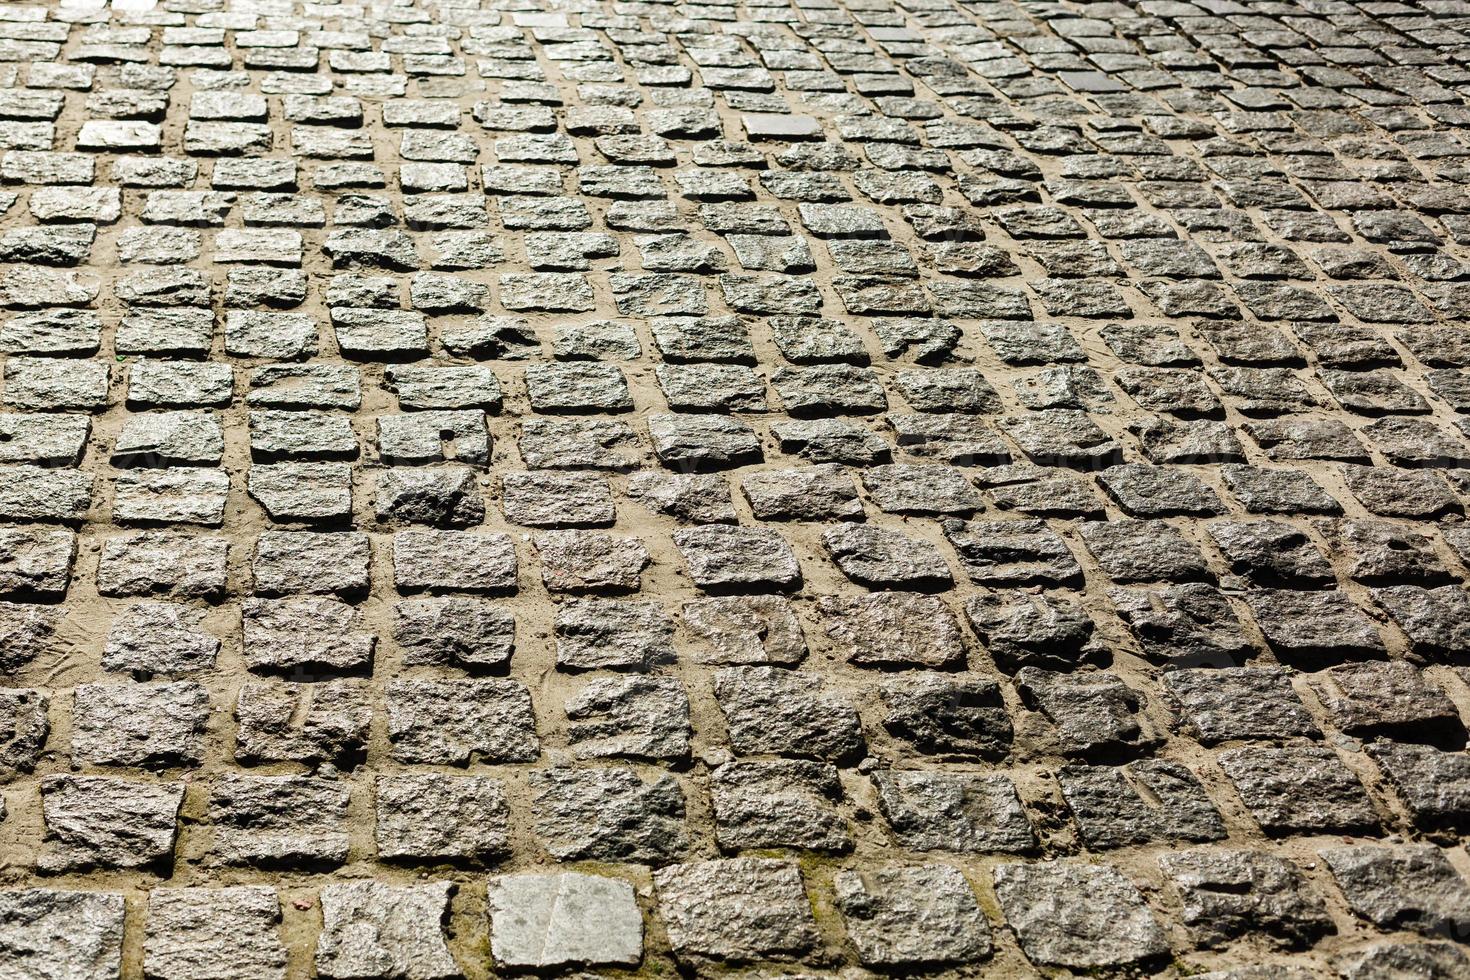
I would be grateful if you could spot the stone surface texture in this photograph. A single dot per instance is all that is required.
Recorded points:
(734, 488)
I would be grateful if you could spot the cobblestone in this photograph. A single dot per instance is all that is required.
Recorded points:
(817, 489)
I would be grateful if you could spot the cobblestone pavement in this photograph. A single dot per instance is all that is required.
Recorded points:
(812, 488)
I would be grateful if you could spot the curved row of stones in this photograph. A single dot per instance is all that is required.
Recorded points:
(802, 489)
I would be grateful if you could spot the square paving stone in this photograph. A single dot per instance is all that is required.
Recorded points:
(1012, 553)
(787, 712)
(1185, 625)
(209, 933)
(634, 717)
(24, 727)
(551, 499)
(441, 496)
(1246, 703)
(1043, 631)
(457, 561)
(1314, 626)
(1391, 699)
(880, 558)
(612, 634)
(288, 562)
(1404, 886)
(954, 811)
(472, 634)
(1384, 960)
(375, 931)
(106, 823)
(900, 629)
(1078, 916)
(720, 557)
(166, 563)
(1147, 800)
(544, 921)
(147, 725)
(912, 916)
(434, 818)
(1301, 789)
(736, 910)
(278, 821)
(1433, 784)
(1091, 712)
(454, 722)
(76, 935)
(742, 630)
(1227, 894)
(305, 723)
(609, 814)
(781, 804)
(284, 635)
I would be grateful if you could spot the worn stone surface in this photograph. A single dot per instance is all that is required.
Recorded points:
(591, 446)
(47, 932)
(196, 933)
(375, 930)
(1227, 894)
(1078, 916)
(549, 921)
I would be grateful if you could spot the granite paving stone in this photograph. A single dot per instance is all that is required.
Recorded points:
(750, 488)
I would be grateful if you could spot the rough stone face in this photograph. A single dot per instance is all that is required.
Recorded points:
(200, 933)
(894, 629)
(612, 634)
(1091, 713)
(282, 635)
(960, 812)
(472, 634)
(467, 561)
(1384, 960)
(745, 630)
(885, 559)
(547, 921)
(1404, 886)
(163, 563)
(155, 725)
(306, 562)
(787, 803)
(1433, 784)
(24, 726)
(1143, 801)
(307, 723)
(431, 817)
(1245, 703)
(786, 712)
(912, 916)
(1078, 916)
(1227, 894)
(279, 820)
(739, 558)
(939, 715)
(102, 822)
(1020, 630)
(609, 815)
(639, 717)
(736, 910)
(451, 722)
(1390, 699)
(382, 931)
(75, 935)
(1304, 789)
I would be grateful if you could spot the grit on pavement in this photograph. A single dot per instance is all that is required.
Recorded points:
(748, 488)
